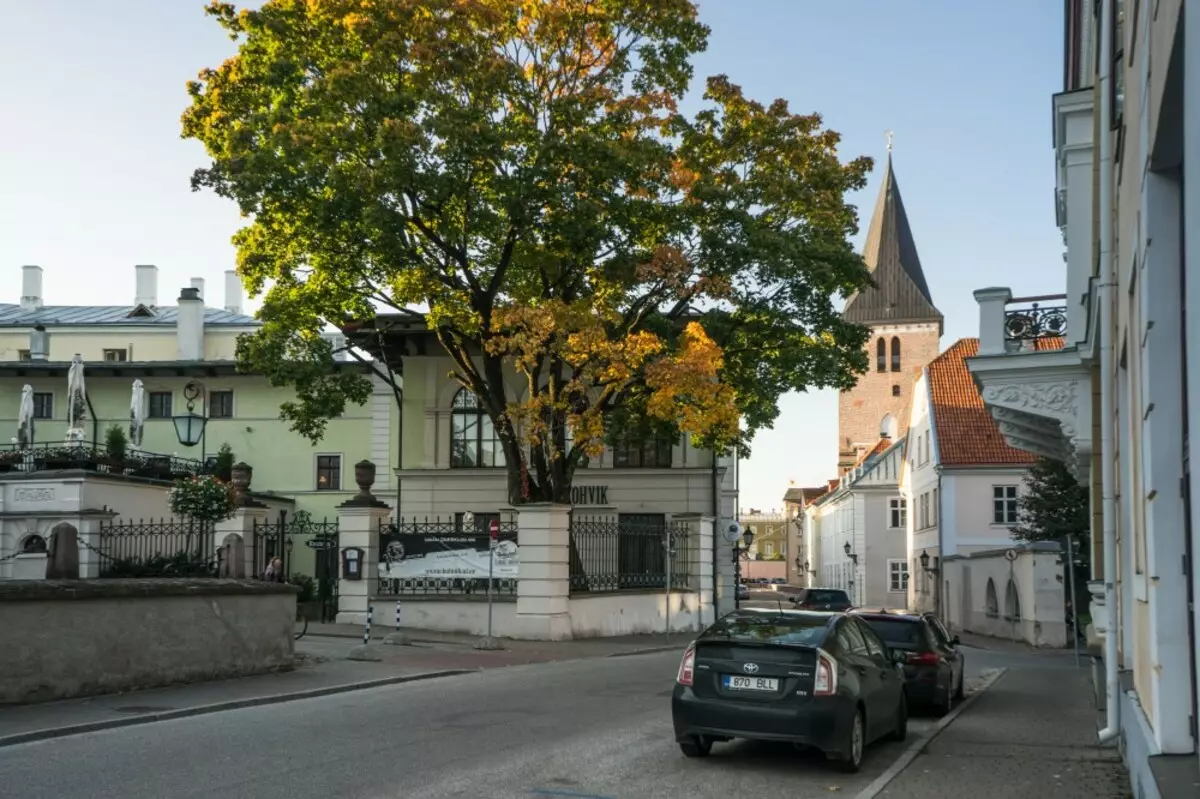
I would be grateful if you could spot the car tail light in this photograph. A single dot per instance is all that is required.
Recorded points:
(923, 658)
(825, 683)
(687, 667)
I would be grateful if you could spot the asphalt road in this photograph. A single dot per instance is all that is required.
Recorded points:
(592, 729)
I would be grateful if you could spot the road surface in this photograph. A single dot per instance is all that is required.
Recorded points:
(591, 729)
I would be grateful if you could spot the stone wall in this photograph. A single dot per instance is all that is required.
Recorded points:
(69, 638)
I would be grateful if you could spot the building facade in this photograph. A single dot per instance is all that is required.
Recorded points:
(1119, 401)
(795, 501)
(905, 330)
(856, 533)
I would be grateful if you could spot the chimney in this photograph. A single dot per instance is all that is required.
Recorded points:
(233, 292)
(189, 325)
(31, 288)
(198, 285)
(39, 343)
(147, 285)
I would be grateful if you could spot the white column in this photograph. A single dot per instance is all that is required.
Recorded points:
(992, 302)
(543, 590)
(358, 528)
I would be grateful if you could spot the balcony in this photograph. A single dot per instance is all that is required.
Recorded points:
(1034, 373)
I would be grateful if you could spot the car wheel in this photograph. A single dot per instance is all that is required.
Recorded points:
(696, 746)
(850, 759)
(901, 730)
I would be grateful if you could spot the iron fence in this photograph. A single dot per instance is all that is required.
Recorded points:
(448, 558)
(53, 455)
(278, 538)
(157, 548)
(628, 554)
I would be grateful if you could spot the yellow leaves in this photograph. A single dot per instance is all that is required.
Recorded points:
(686, 390)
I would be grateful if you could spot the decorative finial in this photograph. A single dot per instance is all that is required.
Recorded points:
(889, 135)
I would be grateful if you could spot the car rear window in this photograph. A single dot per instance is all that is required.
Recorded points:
(827, 597)
(794, 630)
(896, 632)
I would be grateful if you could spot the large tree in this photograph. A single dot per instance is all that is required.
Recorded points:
(521, 172)
(1055, 506)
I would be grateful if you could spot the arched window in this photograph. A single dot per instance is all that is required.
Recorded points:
(880, 356)
(993, 603)
(887, 426)
(1012, 602)
(473, 439)
(33, 544)
(895, 354)
(896, 390)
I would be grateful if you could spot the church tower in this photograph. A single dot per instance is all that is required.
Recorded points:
(906, 329)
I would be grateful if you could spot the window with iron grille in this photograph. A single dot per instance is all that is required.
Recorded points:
(329, 472)
(43, 405)
(652, 454)
(116, 355)
(220, 405)
(160, 405)
(641, 557)
(1004, 504)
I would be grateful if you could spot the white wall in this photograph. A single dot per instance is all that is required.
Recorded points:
(1036, 574)
(920, 478)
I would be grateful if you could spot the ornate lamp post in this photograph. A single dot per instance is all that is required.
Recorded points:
(189, 426)
(740, 553)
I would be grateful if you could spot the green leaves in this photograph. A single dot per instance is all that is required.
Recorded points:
(496, 161)
(1054, 506)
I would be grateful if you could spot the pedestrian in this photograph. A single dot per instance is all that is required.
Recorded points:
(274, 572)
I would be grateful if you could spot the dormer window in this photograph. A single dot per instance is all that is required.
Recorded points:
(140, 312)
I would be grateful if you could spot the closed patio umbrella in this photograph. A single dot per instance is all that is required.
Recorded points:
(76, 402)
(137, 414)
(25, 418)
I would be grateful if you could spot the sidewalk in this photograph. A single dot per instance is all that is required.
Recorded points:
(1031, 734)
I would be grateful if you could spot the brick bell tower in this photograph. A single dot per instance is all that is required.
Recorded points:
(906, 330)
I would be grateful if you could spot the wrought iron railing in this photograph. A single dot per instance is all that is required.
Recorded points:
(53, 455)
(157, 548)
(447, 558)
(614, 554)
(1036, 322)
(278, 537)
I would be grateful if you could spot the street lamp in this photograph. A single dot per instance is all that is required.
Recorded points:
(850, 553)
(925, 567)
(738, 554)
(189, 426)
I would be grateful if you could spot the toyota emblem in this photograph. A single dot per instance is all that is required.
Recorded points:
(750, 668)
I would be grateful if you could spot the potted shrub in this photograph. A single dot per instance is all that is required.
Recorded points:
(204, 500)
(116, 446)
(223, 465)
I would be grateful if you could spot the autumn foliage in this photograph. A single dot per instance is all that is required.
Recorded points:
(520, 171)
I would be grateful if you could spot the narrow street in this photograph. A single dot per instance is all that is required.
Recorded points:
(595, 728)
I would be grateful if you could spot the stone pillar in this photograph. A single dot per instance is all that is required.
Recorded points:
(235, 535)
(62, 558)
(543, 592)
(992, 302)
(699, 553)
(358, 528)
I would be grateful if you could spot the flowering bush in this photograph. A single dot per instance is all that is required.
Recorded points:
(205, 498)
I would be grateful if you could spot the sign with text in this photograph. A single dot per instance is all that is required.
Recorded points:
(439, 551)
(589, 495)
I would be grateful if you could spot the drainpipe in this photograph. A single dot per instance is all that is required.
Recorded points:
(938, 605)
(716, 513)
(1104, 299)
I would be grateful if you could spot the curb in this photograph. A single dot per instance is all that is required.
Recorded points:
(652, 650)
(910, 754)
(217, 707)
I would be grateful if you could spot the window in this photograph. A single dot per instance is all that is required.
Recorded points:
(329, 472)
(1012, 602)
(23, 355)
(896, 390)
(768, 549)
(897, 576)
(33, 544)
(116, 355)
(923, 512)
(160, 405)
(880, 356)
(43, 405)
(897, 512)
(993, 603)
(643, 454)
(474, 442)
(220, 405)
(895, 354)
(1004, 505)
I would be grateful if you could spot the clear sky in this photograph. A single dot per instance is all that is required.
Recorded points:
(94, 175)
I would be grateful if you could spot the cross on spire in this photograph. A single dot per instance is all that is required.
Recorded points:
(889, 135)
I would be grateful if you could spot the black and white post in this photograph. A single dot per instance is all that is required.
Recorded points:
(488, 642)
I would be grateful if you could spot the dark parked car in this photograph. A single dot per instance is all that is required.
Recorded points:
(934, 668)
(743, 591)
(822, 680)
(822, 599)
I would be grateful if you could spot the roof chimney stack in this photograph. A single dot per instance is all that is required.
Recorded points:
(147, 285)
(189, 325)
(233, 292)
(39, 344)
(198, 285)
(31, 287)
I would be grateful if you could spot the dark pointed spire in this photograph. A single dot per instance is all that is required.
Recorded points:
(900, 293)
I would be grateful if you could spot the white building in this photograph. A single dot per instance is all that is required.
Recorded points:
(856, 533)
(1118, 401)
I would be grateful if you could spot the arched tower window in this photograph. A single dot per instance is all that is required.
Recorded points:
(895, 353)
(881, 356)
(888, 427)
(473, 440)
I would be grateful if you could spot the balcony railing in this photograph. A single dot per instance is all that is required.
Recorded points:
(50, 455)
(1036, 322)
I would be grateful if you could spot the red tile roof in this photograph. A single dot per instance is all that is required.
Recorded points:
(967, 434)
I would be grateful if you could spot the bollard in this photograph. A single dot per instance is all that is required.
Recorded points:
(365, 652)
(396, 638)
(367, 629)
(397, 615)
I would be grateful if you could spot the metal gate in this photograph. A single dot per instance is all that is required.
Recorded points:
(278, 538)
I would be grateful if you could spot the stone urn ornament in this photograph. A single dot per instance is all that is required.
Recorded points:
(239, 477)
(364, 476)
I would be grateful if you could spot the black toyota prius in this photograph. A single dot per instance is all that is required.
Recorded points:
(815, 679)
